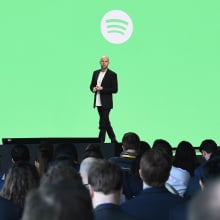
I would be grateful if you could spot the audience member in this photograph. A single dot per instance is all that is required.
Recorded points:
(207, 148)
(132, 182)
(60, 170)
(105, 183)
(93, 150)
(44, 157)
(59, 200)
(67, 153)
(206, 204)
(183, 167)
(163, 145)
(155, 201)
(209, 172)
(84, 168)
(130, 146)
(21, 178)
(19, 152)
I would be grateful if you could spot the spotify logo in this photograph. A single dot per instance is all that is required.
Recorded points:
(116, 27)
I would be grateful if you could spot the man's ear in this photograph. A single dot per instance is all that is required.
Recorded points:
(201, 185)
(140, 173)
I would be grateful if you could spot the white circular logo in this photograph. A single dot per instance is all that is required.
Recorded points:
(116, 27)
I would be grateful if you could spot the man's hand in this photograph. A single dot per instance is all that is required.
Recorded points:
(99, 88)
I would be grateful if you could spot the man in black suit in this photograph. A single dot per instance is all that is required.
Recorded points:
(104, 83)
(105, 185)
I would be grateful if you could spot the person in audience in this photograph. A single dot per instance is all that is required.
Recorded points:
(155, 201)
(133, 185)
(208, 148)
(85, 165)
(21, 178)
(61, 199)
(206, 204)
(93, 150)
(44, 157)
(130, 146)
(60, 170)
(209, 172)
(67, 153)
(183, 167)
(105, 184)
(163, 145)
(129, 163)
(20, 152)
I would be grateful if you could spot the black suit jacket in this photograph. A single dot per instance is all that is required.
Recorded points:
(110, 86)
(109, 211)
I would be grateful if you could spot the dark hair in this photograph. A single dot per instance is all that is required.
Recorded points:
(210, 170)
(208, 145)
(59, 200)
(155, 167)
(185, 157)
(93, 150)
(105, 177)
(163, 145)
(131, 140)
(20, 152)
(21, 178)
(144, 146)
(44, 157)
(60, 170)
(66, 152)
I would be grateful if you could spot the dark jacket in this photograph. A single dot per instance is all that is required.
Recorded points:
(110, 86)
(9, 210)
(152, 203)
(109, 211)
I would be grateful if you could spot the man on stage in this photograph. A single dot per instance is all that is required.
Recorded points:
(104, 83)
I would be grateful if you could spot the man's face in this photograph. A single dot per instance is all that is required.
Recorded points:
(104, 63)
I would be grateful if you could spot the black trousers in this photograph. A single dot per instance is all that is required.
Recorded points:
(105, 125)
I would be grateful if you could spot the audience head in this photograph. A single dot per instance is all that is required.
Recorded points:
(206, 204)
(60, 170)
(210, 171)
(185, 157)
(44, 157)
(85, 165)
(21, 178)
(131, 141)
(59, 200)
(20, 152)
(155, 167)
(93, 150)
(144, 146)
(66, 152)
(207, 147)
(164, 145)
(105, 177)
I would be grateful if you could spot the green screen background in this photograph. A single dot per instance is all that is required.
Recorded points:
(168, 71)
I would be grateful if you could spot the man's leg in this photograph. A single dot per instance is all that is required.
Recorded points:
(102, 128)
(108, 126)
